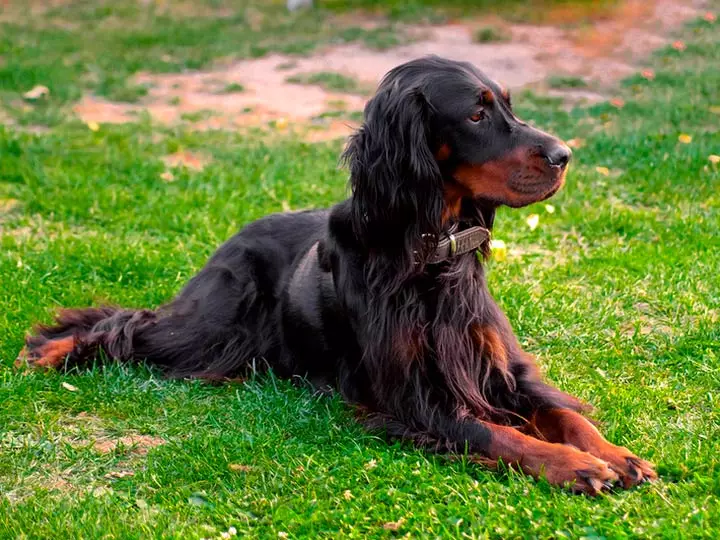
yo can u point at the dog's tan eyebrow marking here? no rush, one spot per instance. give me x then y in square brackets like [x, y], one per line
[505, 93]
[486, 96]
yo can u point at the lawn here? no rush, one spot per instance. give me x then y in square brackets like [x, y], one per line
[617, 291]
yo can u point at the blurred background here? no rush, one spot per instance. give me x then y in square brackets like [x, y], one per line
[301, 65]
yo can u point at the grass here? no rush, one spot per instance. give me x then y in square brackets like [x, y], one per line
[616, 291]
[329, 80]
[490, 34]
[98, 46]
[533, 11]
[233, 88]
[566, 81]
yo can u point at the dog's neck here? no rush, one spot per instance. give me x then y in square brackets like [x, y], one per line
[468, 231]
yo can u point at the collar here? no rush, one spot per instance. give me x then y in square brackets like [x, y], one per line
[455, 242]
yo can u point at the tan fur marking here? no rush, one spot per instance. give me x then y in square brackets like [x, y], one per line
[51, 355]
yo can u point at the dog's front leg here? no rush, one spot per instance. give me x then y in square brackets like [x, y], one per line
[569, 427]
[560, 464]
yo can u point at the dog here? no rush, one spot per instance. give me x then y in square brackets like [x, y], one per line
[383, 297]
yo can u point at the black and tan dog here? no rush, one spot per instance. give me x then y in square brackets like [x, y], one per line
[384, 297]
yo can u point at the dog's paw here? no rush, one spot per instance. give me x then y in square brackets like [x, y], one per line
[631, 469]
[581, 471]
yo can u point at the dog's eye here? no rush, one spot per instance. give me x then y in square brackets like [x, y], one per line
[478, 116]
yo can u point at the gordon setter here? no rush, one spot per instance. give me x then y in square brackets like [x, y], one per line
[383, 297]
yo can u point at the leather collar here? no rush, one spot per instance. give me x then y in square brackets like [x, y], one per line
[455, 242]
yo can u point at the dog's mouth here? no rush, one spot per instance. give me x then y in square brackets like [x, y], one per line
[533, 186]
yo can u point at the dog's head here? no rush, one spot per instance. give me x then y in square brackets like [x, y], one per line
[436, 134]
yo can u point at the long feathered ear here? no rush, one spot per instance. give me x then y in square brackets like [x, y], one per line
[396, 181]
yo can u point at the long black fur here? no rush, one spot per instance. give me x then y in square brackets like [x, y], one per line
[345, 296]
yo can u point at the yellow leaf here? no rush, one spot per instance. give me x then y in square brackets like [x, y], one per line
[69, 387]
[394, 525]
[37, 92]
[603, 170]
[93, 126]
[714, 159]
[533, 220]
[549, 208]
[348, 495]
[499, 250]
[281, 123]
[239, 467]
[167, 176]
[685, 138]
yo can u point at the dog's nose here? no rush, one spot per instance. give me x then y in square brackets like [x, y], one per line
[558, 156]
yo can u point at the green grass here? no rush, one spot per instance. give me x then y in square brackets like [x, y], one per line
[233, 88]
[535, 11]
[566, 81]
[616, 292]
[329, 80]
[99, 45]
[491, 34]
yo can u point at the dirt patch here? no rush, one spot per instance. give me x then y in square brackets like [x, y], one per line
[137, 444]
[600, 53]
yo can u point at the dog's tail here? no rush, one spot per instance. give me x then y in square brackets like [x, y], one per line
[180, 342]
[78, 335]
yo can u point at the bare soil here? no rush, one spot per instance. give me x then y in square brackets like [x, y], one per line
[600, 53]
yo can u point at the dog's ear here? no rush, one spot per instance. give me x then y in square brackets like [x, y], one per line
[396, 181]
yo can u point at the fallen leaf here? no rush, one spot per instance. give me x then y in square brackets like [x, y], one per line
[679, 45]
[394, 525]
[167, 176]
[37, 92]
[715, 109]
[232, 531]
[348, 495]
[603, 170]
[198, 499]
[685, 138]
[239, 467]
[533, 220]
[714, 159]
[648, 74]
[371, 464]
[69, 387]
[6, 205]
[618, 103]
[93, 126]
[576, 143]
[141, 504]
[185, 159]
[498, 250]
[281, 123]
[282, 534]
[549, 208]
[101, 491]
[119, 474]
